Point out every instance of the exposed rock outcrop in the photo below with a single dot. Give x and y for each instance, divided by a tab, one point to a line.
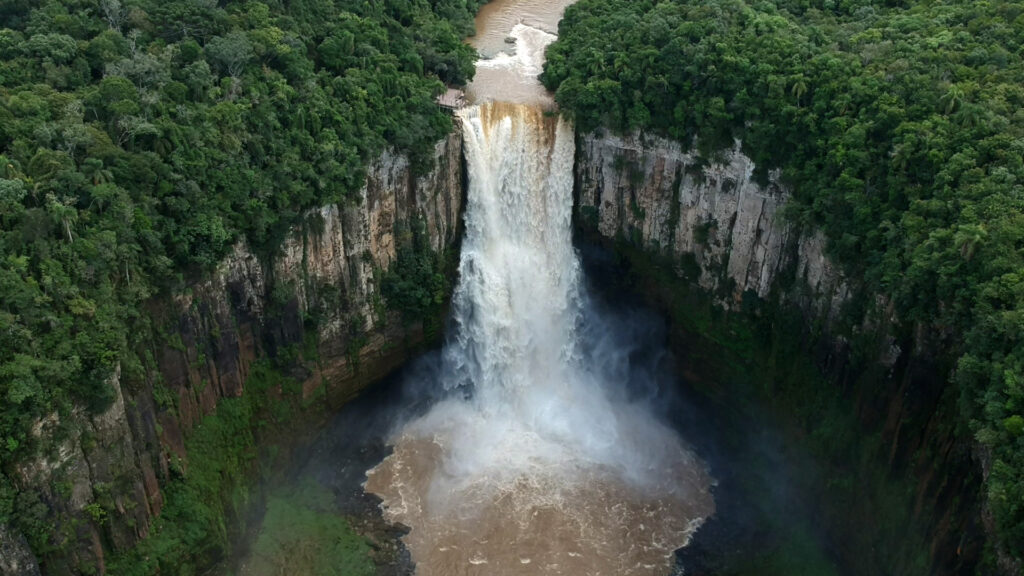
15	557
649	190
725	232
102	483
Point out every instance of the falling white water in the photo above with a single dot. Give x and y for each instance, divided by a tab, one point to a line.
545	468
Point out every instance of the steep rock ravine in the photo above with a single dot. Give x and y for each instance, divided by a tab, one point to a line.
718	229
724	231
210	334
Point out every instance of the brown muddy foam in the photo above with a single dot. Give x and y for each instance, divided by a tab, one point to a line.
565	522
543	474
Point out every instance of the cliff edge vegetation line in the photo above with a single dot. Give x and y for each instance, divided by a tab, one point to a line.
898	128
141	140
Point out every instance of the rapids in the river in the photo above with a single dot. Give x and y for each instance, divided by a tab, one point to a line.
511	37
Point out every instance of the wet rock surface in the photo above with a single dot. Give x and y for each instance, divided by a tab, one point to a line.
713	212
15	557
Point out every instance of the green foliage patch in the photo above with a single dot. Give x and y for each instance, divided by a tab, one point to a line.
899	127
208	489
140	139
302	535
418	282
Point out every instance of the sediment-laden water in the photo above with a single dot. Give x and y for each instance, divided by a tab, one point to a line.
511	37
542	465
538	462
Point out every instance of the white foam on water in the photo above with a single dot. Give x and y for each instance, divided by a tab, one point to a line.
527	57
511	74
545	460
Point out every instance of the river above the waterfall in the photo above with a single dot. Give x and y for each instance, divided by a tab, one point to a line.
511	36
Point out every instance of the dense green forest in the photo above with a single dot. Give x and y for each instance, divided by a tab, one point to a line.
898	126
140	139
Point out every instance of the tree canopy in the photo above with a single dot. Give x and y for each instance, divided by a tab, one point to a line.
897	124
140	139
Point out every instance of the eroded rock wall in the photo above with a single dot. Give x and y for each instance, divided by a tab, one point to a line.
721	229
16	559
651	192
102	484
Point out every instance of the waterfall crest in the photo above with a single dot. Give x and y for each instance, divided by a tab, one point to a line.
541	466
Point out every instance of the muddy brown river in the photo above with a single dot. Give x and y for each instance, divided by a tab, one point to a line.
511	38
544	466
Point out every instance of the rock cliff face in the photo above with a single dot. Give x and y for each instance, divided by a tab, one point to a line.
650	191
101	484
725	232
15	556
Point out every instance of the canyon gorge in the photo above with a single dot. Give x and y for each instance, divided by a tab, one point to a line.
723	234
534	348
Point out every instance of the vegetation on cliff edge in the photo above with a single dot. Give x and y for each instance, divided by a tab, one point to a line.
140	139
897	124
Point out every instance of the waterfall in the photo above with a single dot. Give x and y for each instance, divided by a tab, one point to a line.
517	301
542	465
517	304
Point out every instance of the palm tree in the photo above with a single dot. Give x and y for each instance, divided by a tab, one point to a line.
952	98
95	172
799	89
62	213
971	114
102	197
967	239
